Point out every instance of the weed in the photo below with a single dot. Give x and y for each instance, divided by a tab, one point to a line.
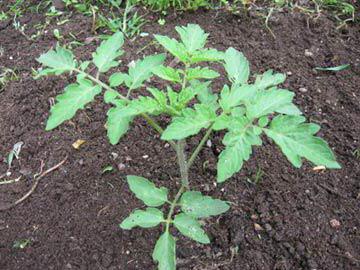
7	75
242	111
356	153
21	244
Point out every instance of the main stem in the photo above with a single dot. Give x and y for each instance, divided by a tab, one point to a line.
181	157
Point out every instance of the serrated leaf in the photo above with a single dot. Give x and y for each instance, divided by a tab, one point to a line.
176	48
167	73
192	36
105	56
75	97
196	205
236	66
143	69
192	121
142	105
238	149
201	73
117	124
119	78
268	101
151	217
206	55
159	96
165	252
268	79
59	61
113	97
147	191
263	121
84	65
289	109
222	122
296	140
191	228
236	95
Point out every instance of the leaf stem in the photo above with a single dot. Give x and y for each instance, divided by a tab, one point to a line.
199	147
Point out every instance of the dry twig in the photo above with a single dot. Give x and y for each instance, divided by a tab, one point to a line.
34	186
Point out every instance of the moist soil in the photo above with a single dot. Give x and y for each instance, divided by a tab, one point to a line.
72	218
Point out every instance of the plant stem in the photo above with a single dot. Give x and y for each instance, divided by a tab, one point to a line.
180	152
199	147
172	207
148	118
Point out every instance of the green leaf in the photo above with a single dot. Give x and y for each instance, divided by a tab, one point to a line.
196	205
119	78
59	61
105	56
75	97
296	140
159	96
222	122
151	217
142	105
236	95
236	66
167	73
289	109
268	79
117	124
192	36
164	252
174	47
146	191
337	68
205	94
190	123
201	73
206	55
238	149
143	69
113	97
263	121
268	101
191	228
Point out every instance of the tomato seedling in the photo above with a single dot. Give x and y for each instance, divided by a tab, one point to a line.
243	110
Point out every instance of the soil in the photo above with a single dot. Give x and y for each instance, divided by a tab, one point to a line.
72	218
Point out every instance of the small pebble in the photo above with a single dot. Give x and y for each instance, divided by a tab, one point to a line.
254	217
121	166
308	53
303	90
127	158
208	143
268	227
114	155
334	223
166	145
257	227
127	252
145	156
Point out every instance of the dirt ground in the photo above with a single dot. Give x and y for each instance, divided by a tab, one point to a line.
72	218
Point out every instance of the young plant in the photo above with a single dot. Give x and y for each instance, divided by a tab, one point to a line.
243	111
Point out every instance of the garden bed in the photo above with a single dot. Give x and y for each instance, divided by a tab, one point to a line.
72	219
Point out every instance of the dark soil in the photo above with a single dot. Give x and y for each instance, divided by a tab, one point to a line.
72	218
